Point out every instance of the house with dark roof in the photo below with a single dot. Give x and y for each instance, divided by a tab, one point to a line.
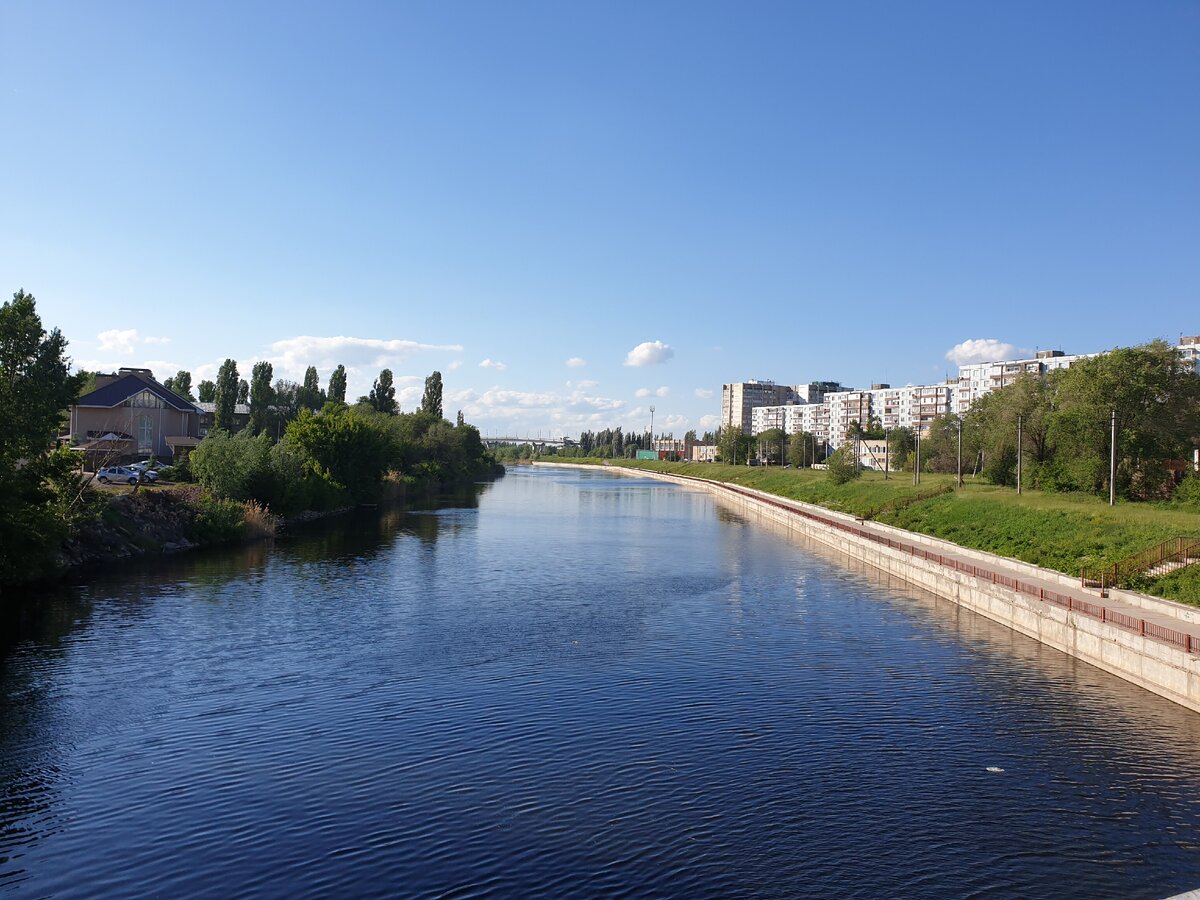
129	415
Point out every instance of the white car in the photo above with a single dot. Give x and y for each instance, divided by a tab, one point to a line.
144	471
120	474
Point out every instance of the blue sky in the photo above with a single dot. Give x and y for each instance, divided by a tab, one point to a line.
793	191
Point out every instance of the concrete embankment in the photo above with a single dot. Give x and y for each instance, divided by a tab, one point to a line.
1151	642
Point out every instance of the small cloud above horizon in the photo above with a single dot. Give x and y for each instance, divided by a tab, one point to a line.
123	341
493	364
576	362
649	353
703	393
663	391
979	350
642	392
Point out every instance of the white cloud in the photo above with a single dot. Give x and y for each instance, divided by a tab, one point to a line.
703	393
117	341
576	362
642	392
673	422
524	413
663	391
708	423
649	353
493	364
123	340
981	350
295	354
585	384
457	364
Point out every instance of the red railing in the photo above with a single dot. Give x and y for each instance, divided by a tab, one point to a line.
1161	633
1184	550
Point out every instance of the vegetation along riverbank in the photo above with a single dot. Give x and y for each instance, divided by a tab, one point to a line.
300	452
1064	532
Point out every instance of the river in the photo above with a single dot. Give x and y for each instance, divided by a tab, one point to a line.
575	684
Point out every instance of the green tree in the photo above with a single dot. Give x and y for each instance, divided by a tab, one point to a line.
181	384
261	396
243	391
337	385
383	394
233	466
311	395
770	445
207	392
841	467
901	444
733	447
431	402
36	386
460	422
225	396
286	406
802	449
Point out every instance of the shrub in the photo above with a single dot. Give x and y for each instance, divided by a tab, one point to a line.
841	467
217	520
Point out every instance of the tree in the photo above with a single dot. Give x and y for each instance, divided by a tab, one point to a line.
460	422
287	404
243	392
431	402
383	394
36	386
181	384
225	395
802	449
311	396
337	385
261	396
841	466
733	447
207	392
900	447
771	444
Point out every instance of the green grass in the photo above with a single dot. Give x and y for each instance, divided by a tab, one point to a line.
1065	532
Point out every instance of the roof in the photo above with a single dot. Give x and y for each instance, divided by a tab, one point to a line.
181	440
117	392
239	409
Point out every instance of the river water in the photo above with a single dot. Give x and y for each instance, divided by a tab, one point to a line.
575	685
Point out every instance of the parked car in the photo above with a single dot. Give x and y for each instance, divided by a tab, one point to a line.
145	471
124	474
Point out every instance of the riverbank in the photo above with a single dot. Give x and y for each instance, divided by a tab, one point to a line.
1063	532
1150	642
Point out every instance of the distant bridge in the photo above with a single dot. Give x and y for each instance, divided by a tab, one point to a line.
492	442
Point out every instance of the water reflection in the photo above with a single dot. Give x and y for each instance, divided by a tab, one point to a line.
586	685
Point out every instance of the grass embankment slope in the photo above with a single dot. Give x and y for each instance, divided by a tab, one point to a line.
1065	532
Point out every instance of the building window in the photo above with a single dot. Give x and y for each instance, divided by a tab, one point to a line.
145	399
145	434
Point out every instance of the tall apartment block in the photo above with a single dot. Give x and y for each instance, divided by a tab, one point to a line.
738	400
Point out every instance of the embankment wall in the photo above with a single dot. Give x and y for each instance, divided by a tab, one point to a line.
1169	671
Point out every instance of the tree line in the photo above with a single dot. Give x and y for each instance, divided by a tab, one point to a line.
323	453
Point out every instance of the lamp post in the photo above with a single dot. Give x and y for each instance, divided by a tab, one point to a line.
1112	463
1019	454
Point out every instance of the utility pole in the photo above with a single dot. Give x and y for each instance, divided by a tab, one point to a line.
960	481
651	447
1112	463
917	461
887	464
1019	454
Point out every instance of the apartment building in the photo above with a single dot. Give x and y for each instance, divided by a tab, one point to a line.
740	399
982	378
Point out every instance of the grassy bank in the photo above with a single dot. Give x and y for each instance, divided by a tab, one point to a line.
1065	532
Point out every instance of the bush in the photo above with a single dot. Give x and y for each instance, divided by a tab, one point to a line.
1188	492
217	520
841	466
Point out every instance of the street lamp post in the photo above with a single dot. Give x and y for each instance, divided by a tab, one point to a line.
960	481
